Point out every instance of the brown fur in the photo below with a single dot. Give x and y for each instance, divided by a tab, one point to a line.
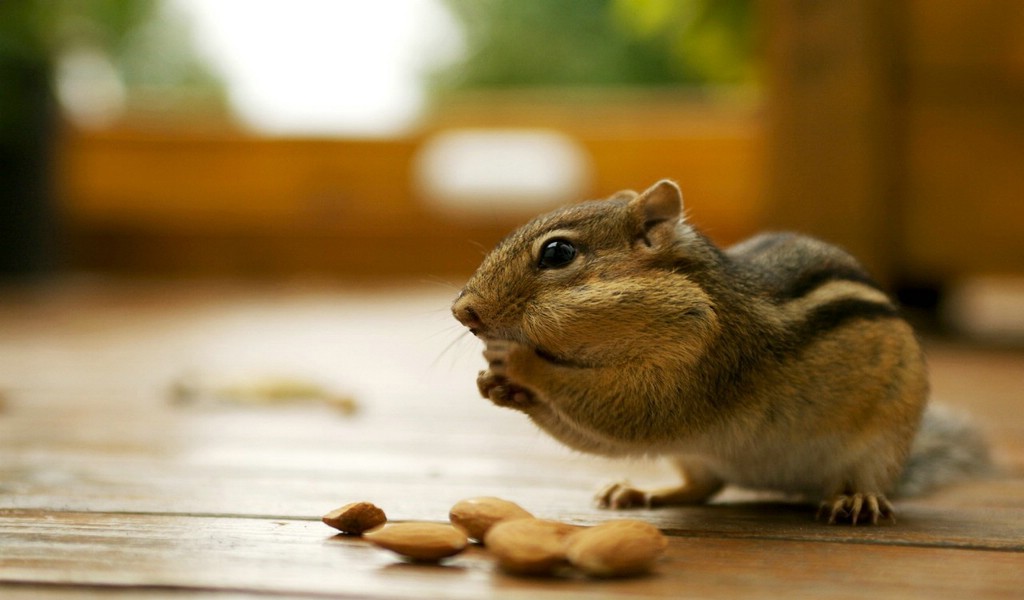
776	364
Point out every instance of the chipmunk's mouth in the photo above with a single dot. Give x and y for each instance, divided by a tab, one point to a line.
560	360
540	351
551	358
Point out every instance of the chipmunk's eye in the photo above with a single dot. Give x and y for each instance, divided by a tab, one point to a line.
556	254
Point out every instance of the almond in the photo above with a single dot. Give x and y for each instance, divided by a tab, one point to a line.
355	518
529	546
429	542
616	548
477	515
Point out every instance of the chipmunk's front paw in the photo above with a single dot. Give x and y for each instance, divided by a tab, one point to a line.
857	508
619	496
500	391
494	383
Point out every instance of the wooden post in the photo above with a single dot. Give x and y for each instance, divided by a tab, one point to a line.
834	72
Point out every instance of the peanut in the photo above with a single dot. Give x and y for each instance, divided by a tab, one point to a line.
428	542
616	548
476	516
355	518
529	546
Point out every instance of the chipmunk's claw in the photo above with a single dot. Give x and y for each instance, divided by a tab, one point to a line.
857	508
498	390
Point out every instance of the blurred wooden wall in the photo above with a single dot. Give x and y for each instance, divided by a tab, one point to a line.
892	127
226	204
229	205
896	128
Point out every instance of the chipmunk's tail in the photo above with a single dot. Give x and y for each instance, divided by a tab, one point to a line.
948	448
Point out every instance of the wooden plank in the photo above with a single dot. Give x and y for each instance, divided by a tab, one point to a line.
289	557
45	591
987	515
108	488
300	463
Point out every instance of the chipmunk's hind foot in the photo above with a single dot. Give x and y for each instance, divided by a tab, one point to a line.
621	495
857	508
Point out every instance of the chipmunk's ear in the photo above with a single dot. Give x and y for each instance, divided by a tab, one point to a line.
660	203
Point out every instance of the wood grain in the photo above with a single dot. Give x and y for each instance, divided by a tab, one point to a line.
110	487
289	557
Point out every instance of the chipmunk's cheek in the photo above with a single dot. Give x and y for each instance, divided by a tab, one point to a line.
550	327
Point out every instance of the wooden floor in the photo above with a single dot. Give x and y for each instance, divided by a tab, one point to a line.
137	460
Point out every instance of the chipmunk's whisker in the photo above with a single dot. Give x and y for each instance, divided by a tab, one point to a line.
461	336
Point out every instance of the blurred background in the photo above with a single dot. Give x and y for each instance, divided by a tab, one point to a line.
359	142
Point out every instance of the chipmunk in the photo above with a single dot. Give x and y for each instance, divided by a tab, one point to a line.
777	363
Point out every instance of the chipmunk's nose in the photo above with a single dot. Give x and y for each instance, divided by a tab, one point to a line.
464	312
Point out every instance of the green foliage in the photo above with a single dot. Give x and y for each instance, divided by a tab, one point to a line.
516	43
145	44
40	29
